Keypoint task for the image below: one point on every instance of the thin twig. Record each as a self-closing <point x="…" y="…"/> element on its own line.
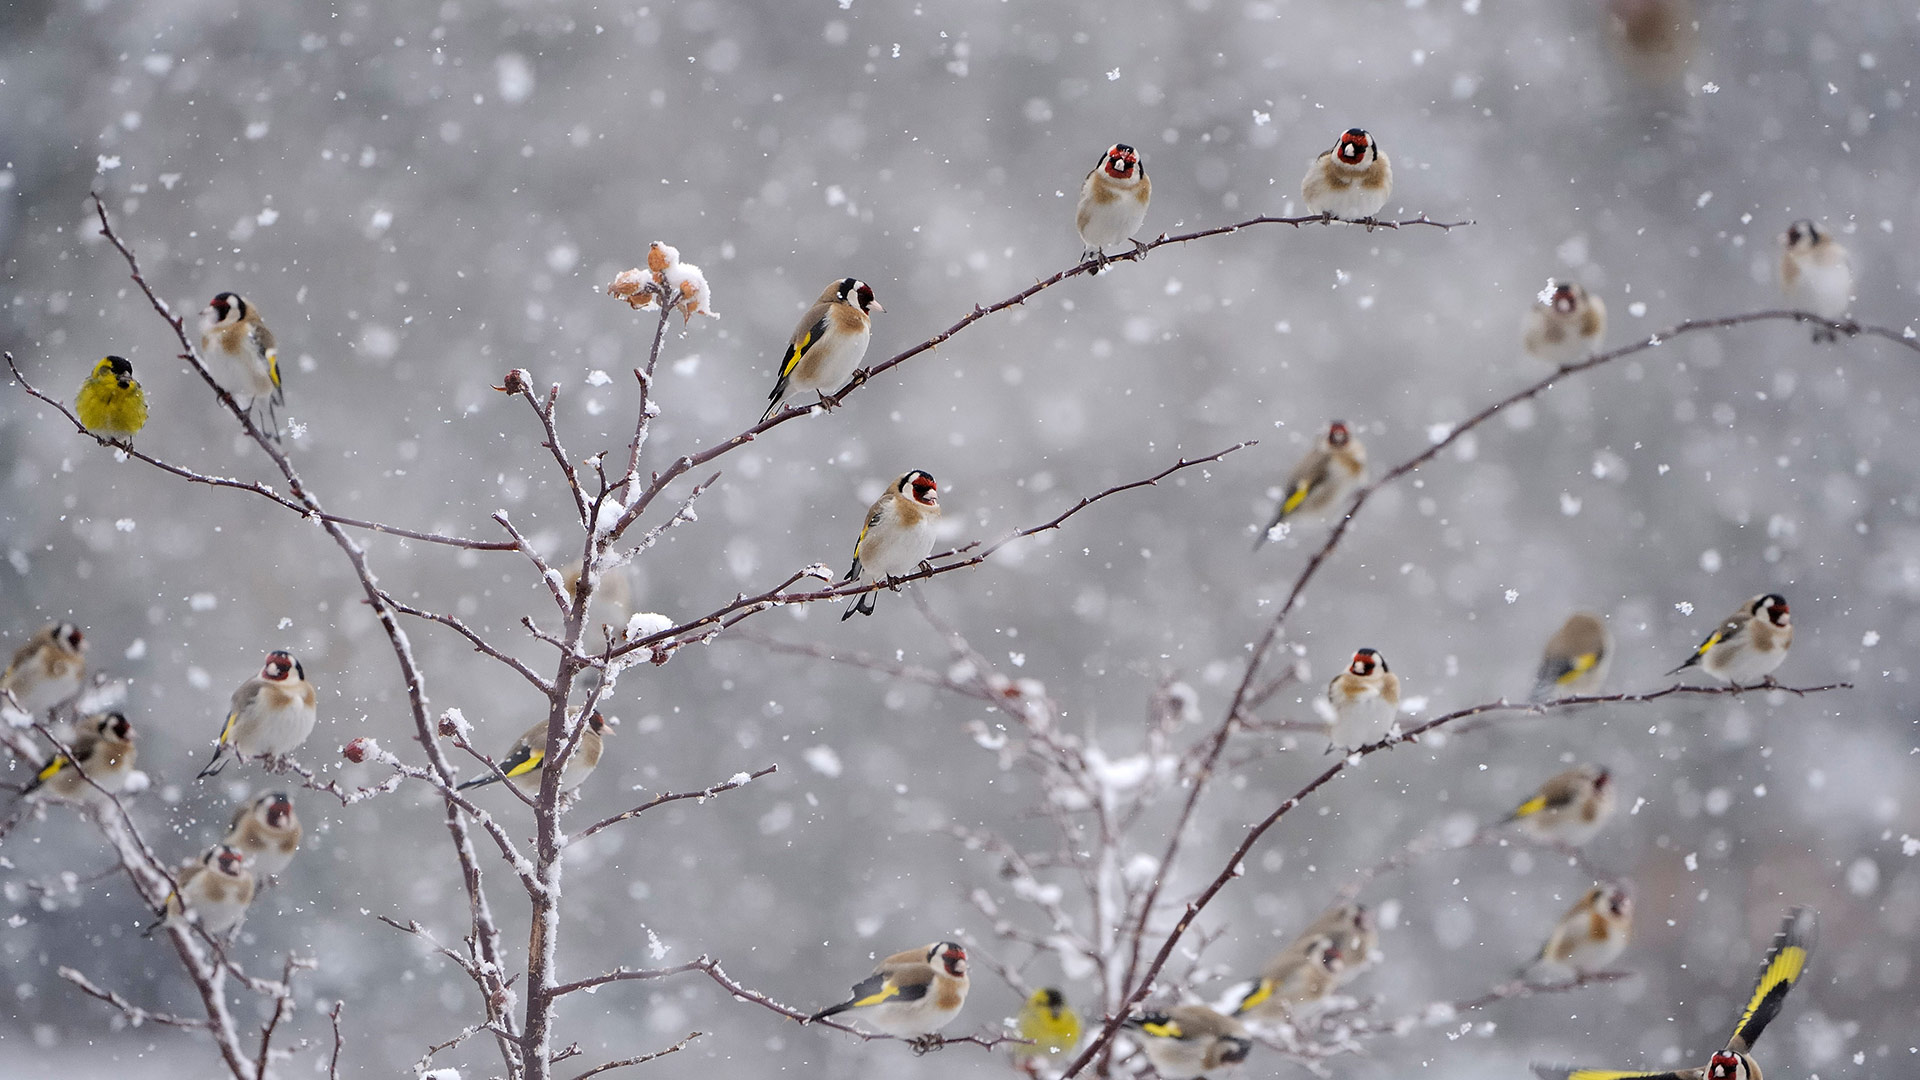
<point x="333" y="1062"/>
<point x="135" y="1014"/>
<point x="643" y="1058"/>
<point x="737" y="781"/>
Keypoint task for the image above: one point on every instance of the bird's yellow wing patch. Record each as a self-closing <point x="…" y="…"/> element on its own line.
<point x="887" y="990"/>
<point x="1712" y="640"/>
<point x="1580" y="666"/>
<point x="1165" y="1029"/>
<point x="52" y="767"/>
<point x="1254" y="1000"/>
<point x="226" y="733"/>
<point x="1776" y="979"/>
<point x="1295" y="497"/>
<point x="1530" y="807"/>
<point x="521" y="768"/>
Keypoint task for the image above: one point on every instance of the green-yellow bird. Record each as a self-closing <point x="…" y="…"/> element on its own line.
<point x="111" y="403"/>
<point x="1051" y="1025"/>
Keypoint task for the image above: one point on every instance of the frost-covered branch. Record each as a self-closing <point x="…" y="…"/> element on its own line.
<point x="135" y="1014"/>
<point x="738" y="780"/>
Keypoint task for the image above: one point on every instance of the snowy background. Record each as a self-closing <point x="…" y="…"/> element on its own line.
<point x="420" y="197"/>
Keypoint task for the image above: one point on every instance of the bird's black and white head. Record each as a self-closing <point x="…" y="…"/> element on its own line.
<point x="222" y="859"/>
<point x="1234" y="1049"/>
<point x="1120" y="162"/>
<point x="1052" y="1000"/>
<point x="949" y="957"/>
<point x="69" y="637"/>
<point x="281" y="666"/>
<point x="599" y="723"/>
<point x="1338" y="435"/>
<point x="856" y="292"/>
<point x="226" y="309"/>
<point x="275" y="808"/>
<point x="1614" y="899"/>
<point x="1366" y="662"/>
<point x="1773" y="608"/>
<point x="918" y="485"/>
<point x="115" y="726"/>
<point x="1803" y="235"/>
<point x="1356" y="147"/>
<point x="1730" y="1065"/>
<point x="1565" y="297"/>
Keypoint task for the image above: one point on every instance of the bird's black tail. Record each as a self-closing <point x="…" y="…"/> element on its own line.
<point x="831" y="1010"/>
<point x="219" y="762"/>
<point x="482" y="781"/>
<point x="864" y="605"/>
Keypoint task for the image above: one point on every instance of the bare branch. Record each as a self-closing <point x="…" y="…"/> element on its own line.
<point x="333" y="1061"/>
<point x="643" y="1058"/>
<point x="737" y="781"/>
<point x="282" y="1006"/>
<point x="666" y="642"/>
<point x="135" y="1014"/>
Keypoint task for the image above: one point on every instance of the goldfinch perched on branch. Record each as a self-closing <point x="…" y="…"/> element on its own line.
<point x="267" y="832"/>
<point x="1113" y="202"/>
<point x="1365" y="699"/>
<point x="1352" y="180"/>
<point x="524" y="760"/>
<point x="214" y="892"/>
<point x="828" y="345"/>
<point x="48" y="669"/>
<point x="1188" y="1041"/>
<point x="1816" y="274"/>
<point x="1592" y="934"/>
<point x="270" y="715"/>
<point x="1748" y="646"/>
<point x="105" y="752"/>
<point x="1781" y="969"/>
<point x="1052" y="1027"/>
<point x="239" y="349"/>
<point x="1565" y="324"/>
<point x="1568" y="809"/>
<point x="911" y="994"/>
<point x="897" y="536"/>
<point x="1303" y="973"/>
<point x="111" y="403"/>
<point x="1576" y="658"/>
<point x="1328" y="474"/>
<point x="1357" y="933"/>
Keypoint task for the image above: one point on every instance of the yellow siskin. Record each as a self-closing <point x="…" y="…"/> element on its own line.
<point x="1050" y="1025"/>
<point x="111" y="403"/>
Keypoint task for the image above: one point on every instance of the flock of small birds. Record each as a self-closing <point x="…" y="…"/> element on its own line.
<point x="916" y="993"/>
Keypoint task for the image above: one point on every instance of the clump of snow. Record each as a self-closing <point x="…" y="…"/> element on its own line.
<point x="643" y="624"/>
<point x="666" y="279"/>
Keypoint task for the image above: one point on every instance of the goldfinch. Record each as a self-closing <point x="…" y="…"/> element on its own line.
<point x="1352" y="180"/>
<point x="828" y="345"/>
<point x="111" y="403"/>
<point x="214" y="892"/>
<point x="47" y="670"/>
<point x="911" y="994"/>
<point x="1748" y="646"/>
<point x="1565" y="324"/>
<point x="1592" y="934"/>
<point x="1576" y="658"/>
<point x="1328" y="474"/>
<point x="1113" y="202"/>
<point x="1568" y="809"/>
<point x="1357" y="933"/>
<point x="105" y="752"/>
<point x="1786" y="961"/>
<point x="267" y="832"/>
<point x="1050" y="1025"/>
<point x="897" y="536"/>
<point x="1365" y="699"/>
<point x="1303" y="973"/>
<point x="239" y="350"/>
<point x="1189" y="1041"/>
<point x="271" y="714"/>
<point x="529" y="752"/>
<point x="1816" y="274"/>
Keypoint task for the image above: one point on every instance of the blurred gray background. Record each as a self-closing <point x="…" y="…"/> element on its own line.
<point x="422" y="196"/>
